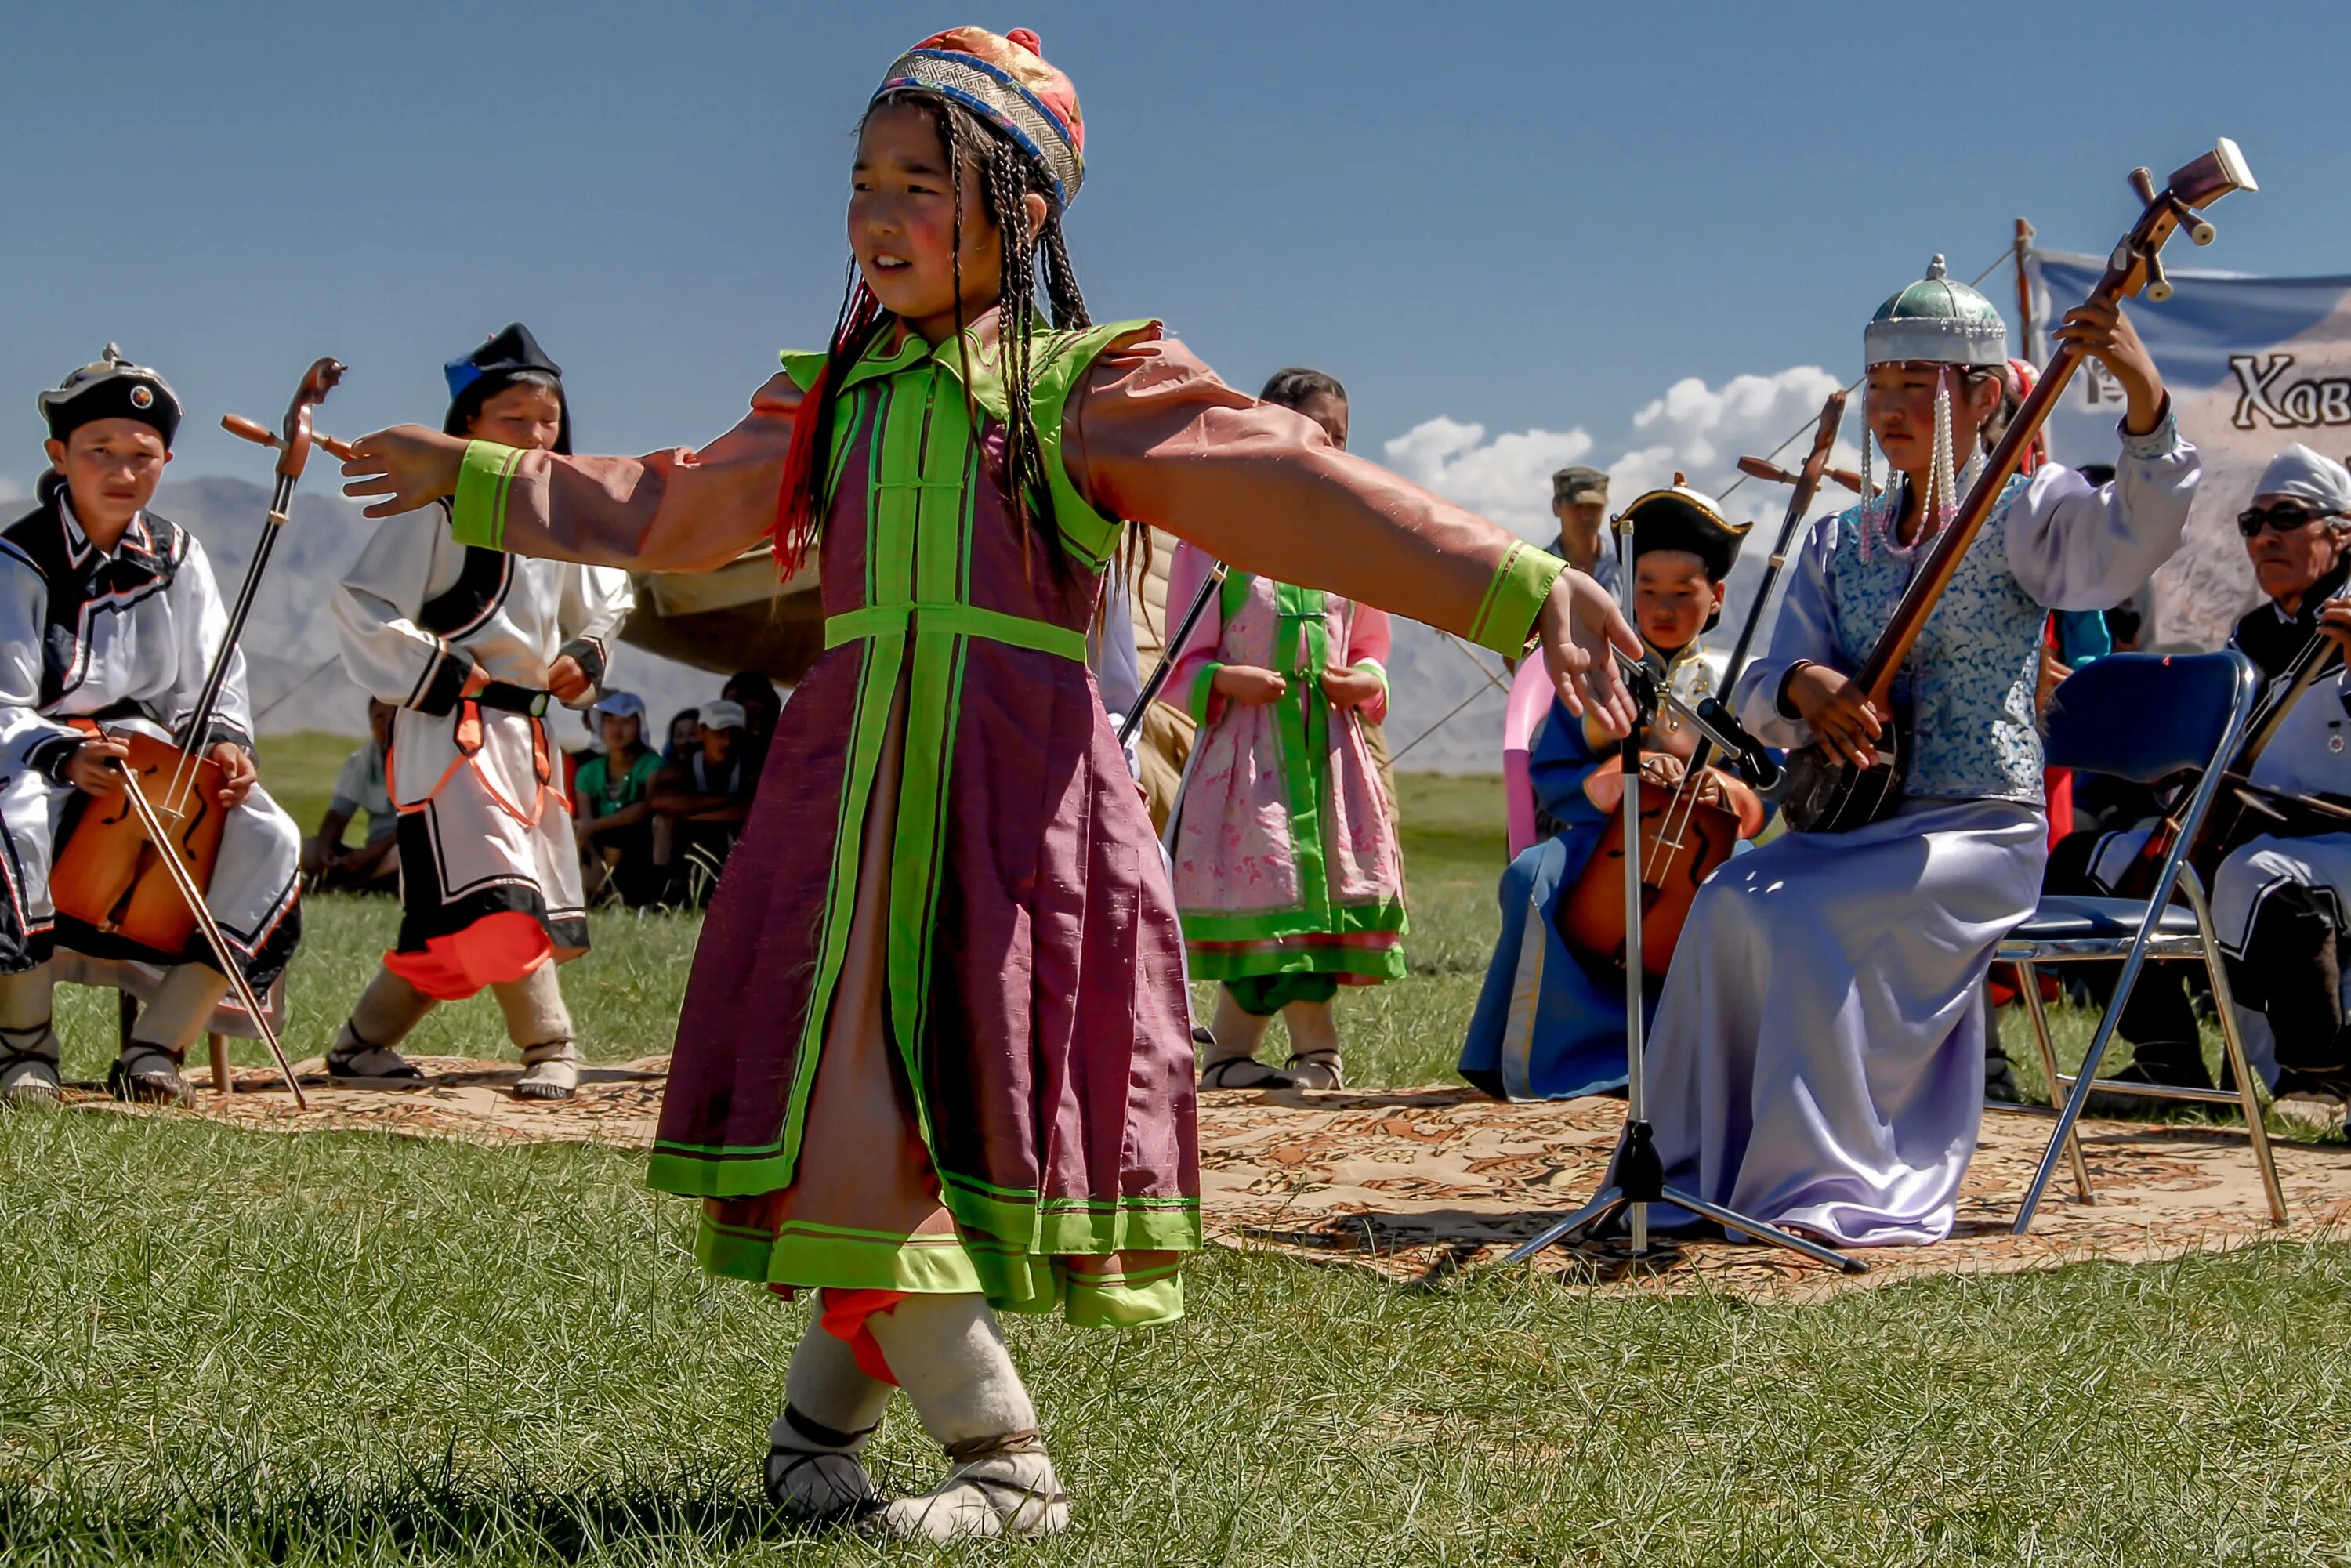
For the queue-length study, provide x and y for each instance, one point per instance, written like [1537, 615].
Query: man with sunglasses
[2282, 900]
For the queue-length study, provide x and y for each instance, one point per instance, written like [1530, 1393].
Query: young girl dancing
[1818, 1056]
[934, 1059]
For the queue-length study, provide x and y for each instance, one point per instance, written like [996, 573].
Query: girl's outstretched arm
[681, 510]
[1156, 437]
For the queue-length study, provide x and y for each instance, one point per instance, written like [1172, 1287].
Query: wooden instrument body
[1826, 794]
[1683, 842]
[107, 876]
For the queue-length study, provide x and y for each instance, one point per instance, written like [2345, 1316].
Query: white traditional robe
[484, 822]
[1817, 1060]
[122, 641]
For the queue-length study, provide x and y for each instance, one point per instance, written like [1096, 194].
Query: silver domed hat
[1936, 321]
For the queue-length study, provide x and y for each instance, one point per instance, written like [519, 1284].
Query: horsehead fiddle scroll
[119, 871]
[1829, 796]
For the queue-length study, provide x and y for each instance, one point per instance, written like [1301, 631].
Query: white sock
[387, 1010]
[182, 1005]
[949, 1355]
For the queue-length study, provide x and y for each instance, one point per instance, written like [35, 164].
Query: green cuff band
[1203, 687]
[479, 514]
[1506, 618]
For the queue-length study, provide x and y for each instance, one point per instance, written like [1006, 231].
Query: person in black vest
[110, 622]
[472, 645]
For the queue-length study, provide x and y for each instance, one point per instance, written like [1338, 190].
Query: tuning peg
[2142, 182]
[2158, 286]
[2199, 228]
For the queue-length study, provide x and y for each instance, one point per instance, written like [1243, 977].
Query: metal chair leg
[2232, 1044]
[2070, 1113]
[2029, 985]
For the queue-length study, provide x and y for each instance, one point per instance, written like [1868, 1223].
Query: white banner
[2254, 364]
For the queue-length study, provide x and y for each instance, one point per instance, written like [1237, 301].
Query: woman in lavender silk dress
[1817, 1060]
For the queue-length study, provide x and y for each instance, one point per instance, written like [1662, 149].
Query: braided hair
[1004, 175]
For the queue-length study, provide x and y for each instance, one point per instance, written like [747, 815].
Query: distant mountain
[293, 662]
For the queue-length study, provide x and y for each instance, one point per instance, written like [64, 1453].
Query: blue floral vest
[1964, 696]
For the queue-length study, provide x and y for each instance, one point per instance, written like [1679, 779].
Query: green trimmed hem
[1388, 917]
[1012, 1280]
[823, 1257]
[1505, 617]
[701, 1173]
[1380, 965]
[477, 513]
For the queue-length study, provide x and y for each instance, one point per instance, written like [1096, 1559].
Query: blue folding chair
[2141, 717]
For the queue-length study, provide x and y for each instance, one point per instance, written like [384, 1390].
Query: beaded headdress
[1933, 321]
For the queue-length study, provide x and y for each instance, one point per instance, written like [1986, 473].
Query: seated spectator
[374, 866]
[611, 805]
[685, 736]
[762, 707]
[705, 800]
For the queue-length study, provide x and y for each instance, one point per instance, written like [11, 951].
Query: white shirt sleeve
[376, 605]
[2072, 546]
[596, 601]
[26, 739]
[1806, 631]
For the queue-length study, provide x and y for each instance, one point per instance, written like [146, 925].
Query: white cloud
[1692, 429]
[1507, 479]
[10, 490]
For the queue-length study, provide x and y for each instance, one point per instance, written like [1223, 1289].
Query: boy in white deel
[109, 620]
[471, 645]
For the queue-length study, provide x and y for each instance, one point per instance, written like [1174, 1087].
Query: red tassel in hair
[799, 501]
[797, 508]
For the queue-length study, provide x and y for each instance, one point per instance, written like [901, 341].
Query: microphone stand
[1637, 1176]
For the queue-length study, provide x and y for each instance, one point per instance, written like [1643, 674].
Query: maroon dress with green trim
[936, 1037]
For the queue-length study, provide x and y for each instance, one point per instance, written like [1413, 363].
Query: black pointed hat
[510, 356]
[1679, 518]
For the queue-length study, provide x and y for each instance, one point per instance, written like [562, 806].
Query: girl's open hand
[1840, 717]
[1249, 685]
[1577, 627]
[409, 466]
[1350, 688]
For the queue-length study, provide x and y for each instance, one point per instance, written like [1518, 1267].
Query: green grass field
[227, 1348]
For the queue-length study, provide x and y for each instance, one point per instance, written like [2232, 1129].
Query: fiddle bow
[102, 875]
[1827, 795]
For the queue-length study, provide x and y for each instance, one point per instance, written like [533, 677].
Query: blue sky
[1527, 219]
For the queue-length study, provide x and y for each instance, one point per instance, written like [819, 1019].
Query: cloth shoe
[351, 1057]
[1002, 1485]
[815, 1475]
[28, 1066]
[149, 1073]
[549, 1071]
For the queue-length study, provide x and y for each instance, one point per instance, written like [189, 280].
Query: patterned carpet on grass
[1417, 1183]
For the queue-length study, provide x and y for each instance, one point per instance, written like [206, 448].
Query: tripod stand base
[1640, 1178]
